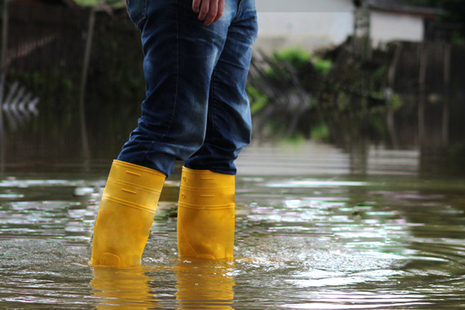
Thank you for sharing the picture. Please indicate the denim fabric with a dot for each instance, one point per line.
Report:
(196, 108)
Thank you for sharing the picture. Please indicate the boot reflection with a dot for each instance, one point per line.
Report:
(204, 284)
(122, 288)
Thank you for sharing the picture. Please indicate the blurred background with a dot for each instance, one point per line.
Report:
(355, 74)
(351, 195)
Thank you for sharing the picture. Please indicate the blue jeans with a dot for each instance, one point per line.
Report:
(196, 108)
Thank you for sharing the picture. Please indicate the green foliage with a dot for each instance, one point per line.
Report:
(299, 58)
(87, 2)
(322, 66)
(111, 3)
(396, 102)
(380, 73)
(320, 133)
(257, 99)
(283, 121)
(296, 57)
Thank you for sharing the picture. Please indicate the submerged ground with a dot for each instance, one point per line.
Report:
(315, 229)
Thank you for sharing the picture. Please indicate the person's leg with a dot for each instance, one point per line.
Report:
(206, 204)
(180, 54)
(229, 121)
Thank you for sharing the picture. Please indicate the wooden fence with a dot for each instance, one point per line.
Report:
(429, 78)
(433, 74)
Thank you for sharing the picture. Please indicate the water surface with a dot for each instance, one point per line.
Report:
(315, 229)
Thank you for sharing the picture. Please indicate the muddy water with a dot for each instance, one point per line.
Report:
(316, 229)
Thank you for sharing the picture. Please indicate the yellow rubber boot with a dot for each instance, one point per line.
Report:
(206, 214)
(125, 215)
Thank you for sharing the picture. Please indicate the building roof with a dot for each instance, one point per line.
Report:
(397, 6)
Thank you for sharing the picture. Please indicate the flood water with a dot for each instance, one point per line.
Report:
(315, 229)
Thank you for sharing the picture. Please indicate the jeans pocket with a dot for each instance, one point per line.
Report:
(137, 10)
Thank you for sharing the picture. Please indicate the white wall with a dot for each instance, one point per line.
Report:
(392, 26)
(314, 24)
(309, 30)
(311, 24)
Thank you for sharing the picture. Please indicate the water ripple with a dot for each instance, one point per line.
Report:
(319, 242)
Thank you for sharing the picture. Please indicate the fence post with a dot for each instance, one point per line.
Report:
(391, 83)
(2, 127)
(4, 34)
(361, 44)
(82, 92)
(422, 93)
(2, 81)
(446, 103)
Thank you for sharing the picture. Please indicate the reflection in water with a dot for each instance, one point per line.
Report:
(204, 284)
(311, 158)
(200, 284)
(122, 288)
